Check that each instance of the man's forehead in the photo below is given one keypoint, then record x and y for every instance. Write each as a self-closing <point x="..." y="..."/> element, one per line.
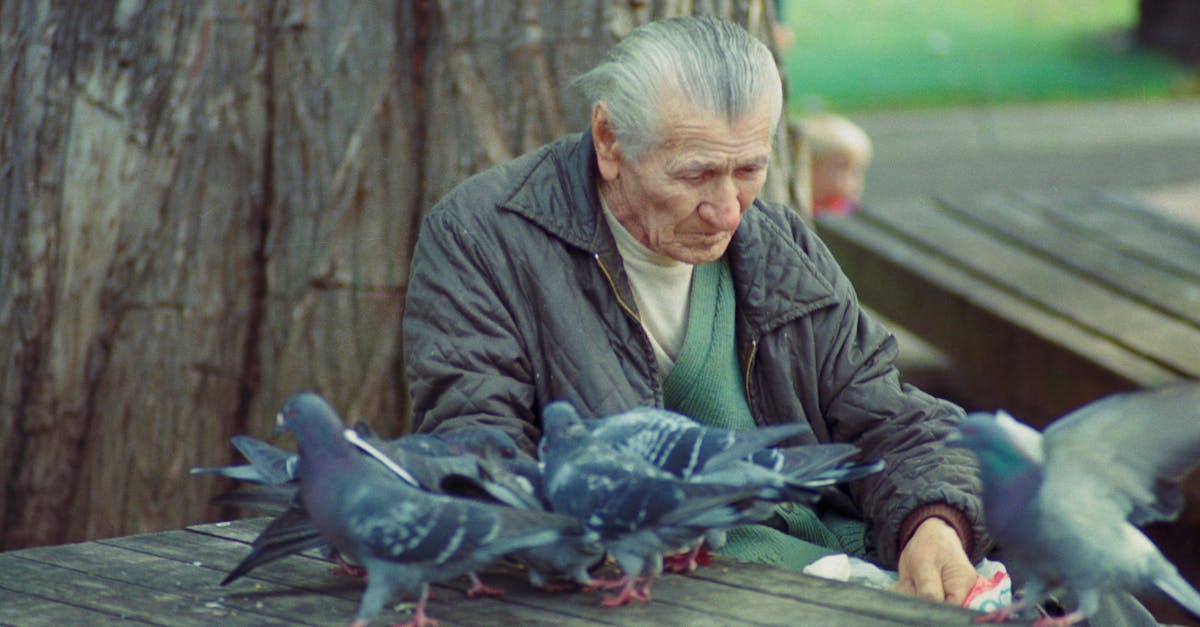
<point x="706" y="160"/>
<point x="717" y="146"/>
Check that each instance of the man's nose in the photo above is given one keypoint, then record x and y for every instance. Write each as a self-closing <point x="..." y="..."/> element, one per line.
<point x="721" y="208"/>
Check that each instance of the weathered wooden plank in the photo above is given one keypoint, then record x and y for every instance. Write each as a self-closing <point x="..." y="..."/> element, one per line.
<point x="1158" y="338"/>
<point x="1032" y="226"/>
<point x="108" y="596"/>
<point x="311" y="576"/>
<point x="825" y="593"/>
<point x="216" y="557"/>
<point x="194" y="583"/>
<point x="27" y="609"/>
<point x="1020" y="356"/>
<point x="171" y="577"/>
<point x="676" y="600"/>
<point x="1129" y="225"/>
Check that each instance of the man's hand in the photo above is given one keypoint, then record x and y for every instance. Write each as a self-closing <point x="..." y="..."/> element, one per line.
<point x="933" y="565"/>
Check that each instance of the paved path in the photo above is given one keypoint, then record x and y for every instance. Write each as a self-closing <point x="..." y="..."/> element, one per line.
<point x="1130" y="145"/>
<point x="1151" y="148"/>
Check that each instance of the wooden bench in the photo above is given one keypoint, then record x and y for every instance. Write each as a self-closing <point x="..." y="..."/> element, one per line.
<point x="1044" y="301"/>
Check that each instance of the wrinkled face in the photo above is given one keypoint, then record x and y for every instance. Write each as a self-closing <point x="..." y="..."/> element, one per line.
<point x="685" y="198"/>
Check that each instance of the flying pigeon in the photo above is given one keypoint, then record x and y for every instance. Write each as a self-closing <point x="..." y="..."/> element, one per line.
<point x="404" y="537"/>
<point x="636" y="510"/>
<point x="1064" y="504"/>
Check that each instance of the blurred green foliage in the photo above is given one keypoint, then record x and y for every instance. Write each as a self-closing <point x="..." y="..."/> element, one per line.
<point x="848" y="55"/>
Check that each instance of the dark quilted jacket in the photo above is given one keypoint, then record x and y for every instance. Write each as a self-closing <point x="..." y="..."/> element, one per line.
<point x="517" y="297"/>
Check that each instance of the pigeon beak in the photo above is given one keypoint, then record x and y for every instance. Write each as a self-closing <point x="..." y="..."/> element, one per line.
<point x="955" y="439"/>
<point x="279" y="428"/>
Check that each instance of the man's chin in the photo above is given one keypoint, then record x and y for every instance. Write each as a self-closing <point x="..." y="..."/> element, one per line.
<point x="701" y="253"/>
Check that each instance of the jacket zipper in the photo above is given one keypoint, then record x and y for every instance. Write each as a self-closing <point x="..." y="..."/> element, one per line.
<point x="617" y="293"/>
<point x="746" y="374"/>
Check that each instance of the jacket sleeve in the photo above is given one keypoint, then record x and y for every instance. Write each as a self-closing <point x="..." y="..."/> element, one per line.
<point x="463" y="354"/>
<point x="863" y="402"/>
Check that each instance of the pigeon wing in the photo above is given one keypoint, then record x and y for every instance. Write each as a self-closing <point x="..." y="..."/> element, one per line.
<point x="1133" y="447"/>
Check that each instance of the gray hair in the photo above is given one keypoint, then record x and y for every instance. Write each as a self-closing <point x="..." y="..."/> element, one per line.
<point x="714" y="63"/>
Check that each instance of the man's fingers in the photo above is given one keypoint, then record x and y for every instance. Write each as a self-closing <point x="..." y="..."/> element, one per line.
<point x="927" y="584"/>
<point x="924" y="588"/>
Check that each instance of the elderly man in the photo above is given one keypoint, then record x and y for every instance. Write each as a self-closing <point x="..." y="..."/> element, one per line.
<point x="635" y="265"/>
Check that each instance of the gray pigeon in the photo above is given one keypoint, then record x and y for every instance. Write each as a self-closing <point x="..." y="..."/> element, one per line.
<point x="636" y="510"/>
<point x="516" y="481"/>
<point x="427" y="459"/>
<point x="1064" y="504"/>
<point x="404" y="537"/>
<point x="437" y="463"/>
<point x="687" y="449"/>
<point x="268" y="465"/>
<point x="683" y="447"/>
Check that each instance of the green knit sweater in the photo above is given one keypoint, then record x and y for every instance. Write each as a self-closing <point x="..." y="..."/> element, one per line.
<point x="706" y="383"/>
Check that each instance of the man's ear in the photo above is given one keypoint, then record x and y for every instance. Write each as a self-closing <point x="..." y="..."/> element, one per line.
<point x="608" y="149"/>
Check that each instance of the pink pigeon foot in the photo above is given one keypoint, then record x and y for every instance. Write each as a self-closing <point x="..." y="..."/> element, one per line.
<point x="346" y="568"/>
<point x="687" y="562"/>
<point x="635" y="589"/>
<point x="480" y="589"/>
<point x="419" y="617"/>
<point x="602" y="583"/>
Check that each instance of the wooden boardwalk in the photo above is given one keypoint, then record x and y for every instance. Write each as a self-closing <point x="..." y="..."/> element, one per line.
<point x="171" y="578"/>
<point x="1044" y="301"/>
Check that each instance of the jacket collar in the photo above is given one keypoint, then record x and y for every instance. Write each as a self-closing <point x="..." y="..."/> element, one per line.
<point x="559" y="194"/>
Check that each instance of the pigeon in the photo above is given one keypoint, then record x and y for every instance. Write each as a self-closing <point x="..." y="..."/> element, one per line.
<point x="515" y="481"/>
<point x="428" y="459"/>
<point x="685" y="448"/>
<point x="404" y="537"/>
<point x="268" y="465"/>
<point x="636" y="510"/>
<point x="680" y="445"/>
<point x="1065" y="504"/>
<point x="436" y="463"/>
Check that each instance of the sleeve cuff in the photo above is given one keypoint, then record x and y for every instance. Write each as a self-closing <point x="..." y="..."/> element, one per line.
<point x="953" y="517"/>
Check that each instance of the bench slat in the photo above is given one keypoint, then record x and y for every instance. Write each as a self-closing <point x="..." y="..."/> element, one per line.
<point x="1016" y="353"/>
<point x="1136" y="273"/>
<point x="1098" y="308"/>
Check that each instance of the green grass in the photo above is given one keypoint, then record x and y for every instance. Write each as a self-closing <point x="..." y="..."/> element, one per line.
<point x="853" y="55"/>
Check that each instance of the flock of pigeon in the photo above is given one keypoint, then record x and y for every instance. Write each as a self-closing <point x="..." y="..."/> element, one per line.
<point x="650" y="484"/>
<point x="423" y="509"/>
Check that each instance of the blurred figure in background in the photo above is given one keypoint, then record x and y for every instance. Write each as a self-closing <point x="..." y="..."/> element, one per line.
<point x="839" y="153"/>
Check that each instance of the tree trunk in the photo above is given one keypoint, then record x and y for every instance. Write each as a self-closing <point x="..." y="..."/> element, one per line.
<point x="210" y="205"/>
<point x="1170" y="26"/>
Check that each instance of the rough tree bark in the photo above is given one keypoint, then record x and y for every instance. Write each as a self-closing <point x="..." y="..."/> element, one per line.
<point x="208" y="205"/>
